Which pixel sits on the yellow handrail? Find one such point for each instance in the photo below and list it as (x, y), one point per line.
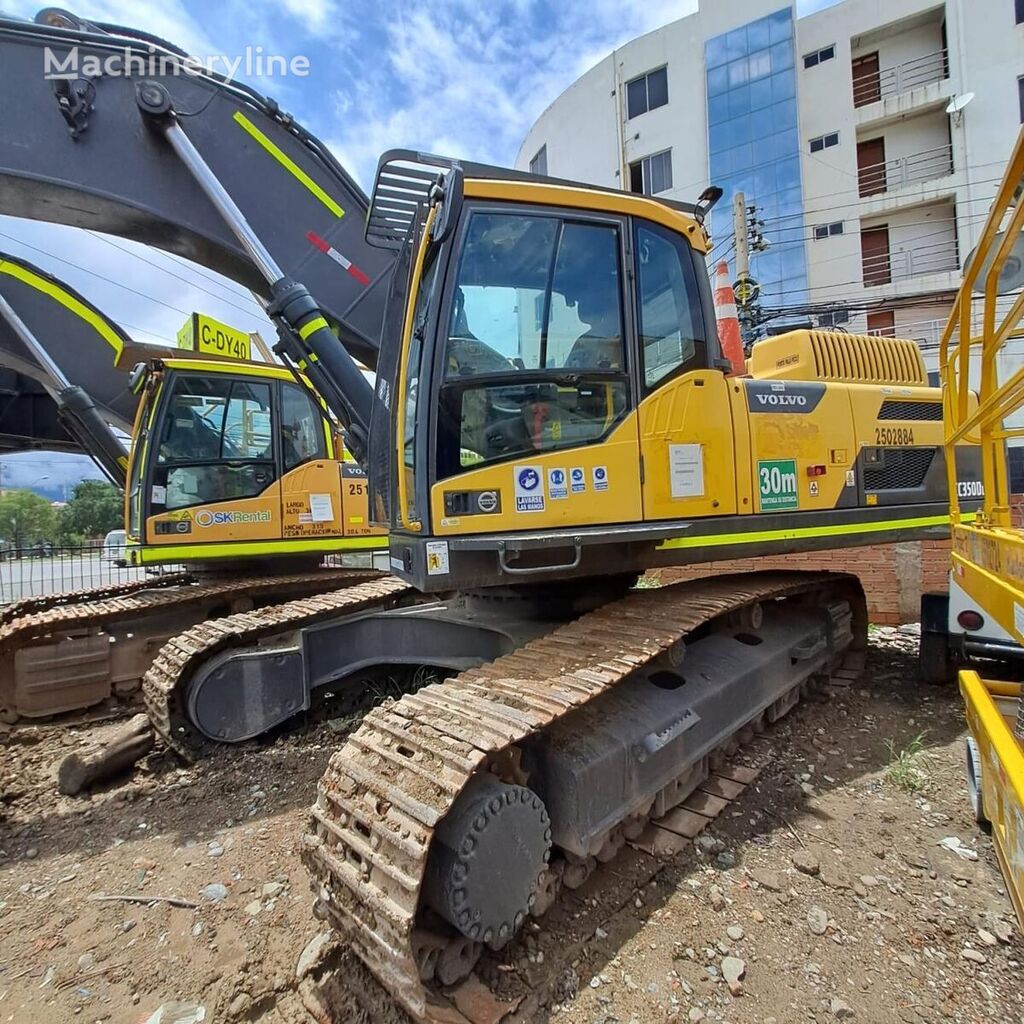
(403, 370)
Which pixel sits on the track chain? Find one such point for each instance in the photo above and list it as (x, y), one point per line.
(399, 774)
(60, 619)
(164, 683)
(64, 598)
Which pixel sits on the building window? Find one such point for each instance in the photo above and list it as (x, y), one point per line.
(824, 142)
(819, 56)
(824, 230)
(647, 92)
(651, 175)
(833, 318)
(1019, 10)
(539, 164)
(1020, 93)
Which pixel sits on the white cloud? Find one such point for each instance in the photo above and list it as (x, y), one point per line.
(314, 15)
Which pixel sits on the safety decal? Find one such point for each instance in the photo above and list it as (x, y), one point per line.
(776, 480)
(529, 492)
(437, 558)
(600, 478)
(557, 484)
(577, 480)
(328, 250)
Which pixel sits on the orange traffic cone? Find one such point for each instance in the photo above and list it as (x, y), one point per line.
(728, 321)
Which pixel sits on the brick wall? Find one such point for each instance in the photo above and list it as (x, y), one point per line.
(893, 575)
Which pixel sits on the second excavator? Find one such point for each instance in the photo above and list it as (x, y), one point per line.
(550, 416)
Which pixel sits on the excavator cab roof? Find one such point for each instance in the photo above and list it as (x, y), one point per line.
(406, 181)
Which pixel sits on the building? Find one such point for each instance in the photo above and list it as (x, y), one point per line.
(868, 139)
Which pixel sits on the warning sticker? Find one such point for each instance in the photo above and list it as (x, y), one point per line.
(777, 485)
(557, 484)
(600, 478)
(437, 558)
(529, 492)
(577, 480)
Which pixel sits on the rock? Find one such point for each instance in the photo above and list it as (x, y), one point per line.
(709, 844)
(987, 937)
(767, 880)
(272, 890)
(735, 932)
(840, 1009)
(127, 925)
(214, 892)
(239, 1005)
(953, 844)
(85, 961)
(733, 969)
(31, 853)
(254, 907)
(215, 850)
(177, 1013)
(314, 954)
(725, 860)
(869, 881)
(756, 915)
(595, 981)
(717, 898)
(817, 920)
(566, 986)
(973, 955)
(1003, 931)
(197, 929)
(696, 1015)
(806, 862)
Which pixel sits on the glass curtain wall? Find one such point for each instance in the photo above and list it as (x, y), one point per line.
(754, 148)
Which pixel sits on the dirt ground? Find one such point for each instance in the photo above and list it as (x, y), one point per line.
(826, 880)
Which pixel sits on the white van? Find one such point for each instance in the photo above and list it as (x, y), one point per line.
(113, 547)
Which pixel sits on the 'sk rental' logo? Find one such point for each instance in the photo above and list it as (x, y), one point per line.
(228, 517)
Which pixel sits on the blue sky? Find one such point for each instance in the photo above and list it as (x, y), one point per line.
(461, 77)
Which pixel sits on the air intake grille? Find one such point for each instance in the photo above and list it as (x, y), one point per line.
(863, 358)
(895, 410)
(901, 468)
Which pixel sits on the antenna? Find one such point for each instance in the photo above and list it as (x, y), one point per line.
(956, 105)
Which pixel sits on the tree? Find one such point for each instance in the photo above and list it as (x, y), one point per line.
(25, 518)
(95, 509)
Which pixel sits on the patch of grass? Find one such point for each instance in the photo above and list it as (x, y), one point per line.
(649, 581)
(907, 768)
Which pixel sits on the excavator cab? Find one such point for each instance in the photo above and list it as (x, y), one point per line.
(237, 460)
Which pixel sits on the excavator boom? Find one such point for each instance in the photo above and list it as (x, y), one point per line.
(74, 150)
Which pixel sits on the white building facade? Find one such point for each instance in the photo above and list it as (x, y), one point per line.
(837, 128)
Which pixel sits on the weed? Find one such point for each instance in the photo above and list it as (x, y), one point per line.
(907, 768)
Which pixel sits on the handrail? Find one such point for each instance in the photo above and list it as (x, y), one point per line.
(996, 400)
(891, 81)
(886, 175)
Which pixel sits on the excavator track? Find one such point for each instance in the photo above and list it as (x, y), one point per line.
(386, 794)
(65, 598)
(38, 636)
(163, 685)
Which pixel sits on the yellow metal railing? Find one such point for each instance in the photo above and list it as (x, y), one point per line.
(979, 292)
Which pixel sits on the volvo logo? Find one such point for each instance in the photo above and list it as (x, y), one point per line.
(487, 501)
(774, 399)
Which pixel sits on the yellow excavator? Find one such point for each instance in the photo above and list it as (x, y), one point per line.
(550, 416)
(235, 472)
(987, 632)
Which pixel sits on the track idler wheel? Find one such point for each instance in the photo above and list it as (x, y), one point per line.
(488, 860)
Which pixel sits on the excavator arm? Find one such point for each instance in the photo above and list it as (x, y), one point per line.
(67, 354)
(80, 144)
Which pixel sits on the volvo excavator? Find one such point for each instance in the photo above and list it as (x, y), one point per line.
(207, 434)
(550, 416)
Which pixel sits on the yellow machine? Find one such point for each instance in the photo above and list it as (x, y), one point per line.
(234, 462)
(988, 553)
(549, 417)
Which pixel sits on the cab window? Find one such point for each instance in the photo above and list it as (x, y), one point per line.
(535, 353)
(302, 428)
(671, 326)
(216, 442)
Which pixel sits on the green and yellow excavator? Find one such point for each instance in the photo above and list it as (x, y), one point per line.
(550, 416)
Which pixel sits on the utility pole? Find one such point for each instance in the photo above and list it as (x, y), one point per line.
(739, 227)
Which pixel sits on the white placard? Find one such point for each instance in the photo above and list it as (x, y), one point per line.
(558, 484)
(437, 558)
(320, 508)
(529, 488)
(159, 494)
(686, 470)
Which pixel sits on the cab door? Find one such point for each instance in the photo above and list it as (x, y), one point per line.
(686, 432)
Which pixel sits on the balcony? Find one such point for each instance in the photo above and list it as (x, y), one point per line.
(877, 178)
(884, 266)
(871, 84)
